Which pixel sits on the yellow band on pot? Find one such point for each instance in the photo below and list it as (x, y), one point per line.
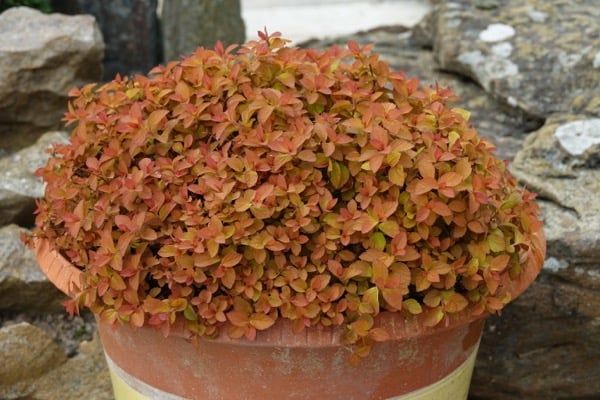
(128, 387)
(454, 386)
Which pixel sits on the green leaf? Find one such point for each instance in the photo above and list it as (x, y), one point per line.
(390, 228)
(378, 240)
(371, 298)
(463, 113)
(511, 201)
(397, 175)
(496, 240)
(315, 108)
(189, 313)
(412, 306)
(117, 283)
(453, 136)
(339, 174)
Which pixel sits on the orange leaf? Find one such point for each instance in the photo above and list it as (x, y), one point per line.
(371, 298)
(463, 167)
(499, 263)
(231, 259)
(379, 335)
(433, 317)
(380, 273)
(261, 321)
(476, 226)
(307, 155)
(425, 185)
(426, 168)
(320, 282)
(441, 208)
(450, 179)
(137, 318)
(155, 117)
(228, 279)
(393, 297)
(237, 318)
(455, 303)
(362, 325)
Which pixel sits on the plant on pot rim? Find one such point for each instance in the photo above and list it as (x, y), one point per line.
(227, 192)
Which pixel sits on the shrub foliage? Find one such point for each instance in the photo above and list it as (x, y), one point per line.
(42, 5)
(229, 189)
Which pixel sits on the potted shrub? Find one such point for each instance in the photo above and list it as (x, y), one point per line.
(283, 223)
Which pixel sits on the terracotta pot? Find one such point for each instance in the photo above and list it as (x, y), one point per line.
(416, 363)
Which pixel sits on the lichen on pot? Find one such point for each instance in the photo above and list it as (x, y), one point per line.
(229, 190)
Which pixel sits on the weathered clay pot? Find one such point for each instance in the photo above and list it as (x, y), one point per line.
(417, 363)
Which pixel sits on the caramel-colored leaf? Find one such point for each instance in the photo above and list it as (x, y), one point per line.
(261, 321)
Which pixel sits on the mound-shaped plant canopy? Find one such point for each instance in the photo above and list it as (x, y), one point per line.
(229, 190)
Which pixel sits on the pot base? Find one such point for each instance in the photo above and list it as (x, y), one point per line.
(453, 386)
(292, 367)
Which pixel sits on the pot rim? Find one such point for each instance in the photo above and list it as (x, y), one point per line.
(67, 278)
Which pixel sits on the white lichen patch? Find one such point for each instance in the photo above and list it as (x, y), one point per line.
(555, 265)
(537, 16)
(496, 33)
(488, 68)
(592, 273)
(453, 23)
(472, 58)
(501, 68)
(569, 60)
(502, 50)
(597, 60)
(578, 136)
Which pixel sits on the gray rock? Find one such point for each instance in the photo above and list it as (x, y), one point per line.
(42, 56)
(504, 125)
(187, 24)
(545, 345)
(130, 30)
(539, 57)
(534, 54)
(548, 342)
(567, 175)
(84, 376)
(561, 162)
(68, 332)
(26, 353)
(23, 287)
(423, 33)
(18, 185)
(587, 102)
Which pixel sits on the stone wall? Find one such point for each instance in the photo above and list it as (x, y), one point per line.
(541, 59)
(41, 58)
(140, 34)
(130, 30)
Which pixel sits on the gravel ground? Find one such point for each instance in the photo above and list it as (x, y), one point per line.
(66, 331)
